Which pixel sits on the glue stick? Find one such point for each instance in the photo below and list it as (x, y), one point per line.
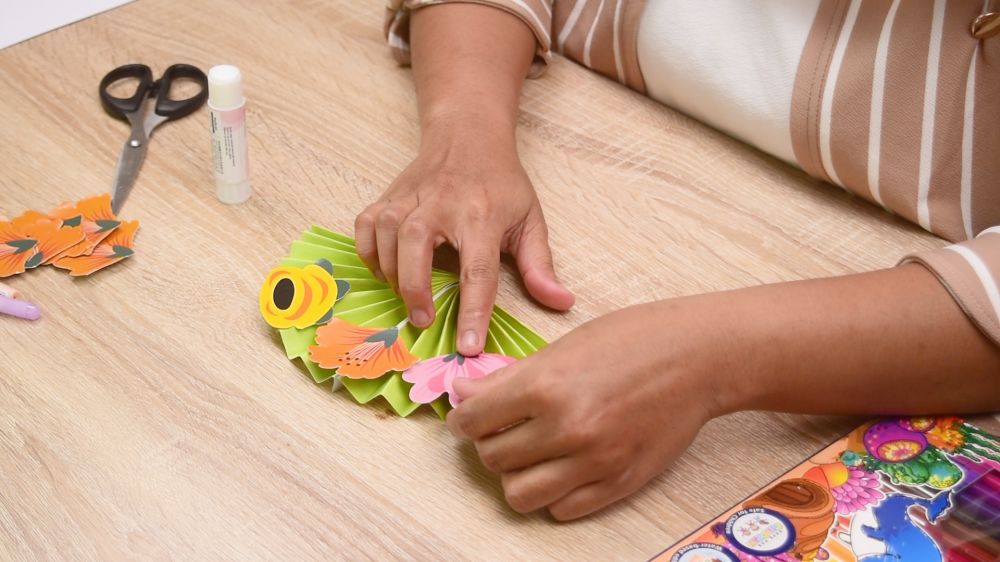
(226, 108)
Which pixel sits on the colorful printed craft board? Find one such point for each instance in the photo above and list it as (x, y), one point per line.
(346, 325)
(900, 489)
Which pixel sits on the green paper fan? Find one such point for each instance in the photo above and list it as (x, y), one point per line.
(373, 304)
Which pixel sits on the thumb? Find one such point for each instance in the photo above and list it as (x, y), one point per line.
(466, 388)
(534, 260)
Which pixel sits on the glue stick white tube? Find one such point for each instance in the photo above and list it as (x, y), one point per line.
(226, 107)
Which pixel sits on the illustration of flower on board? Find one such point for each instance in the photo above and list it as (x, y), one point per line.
(853, 488)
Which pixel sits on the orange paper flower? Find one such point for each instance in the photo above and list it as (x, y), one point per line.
(28, 220)
(360, 353)
(93, 215)
(15, 250)
(52, 239)
(113, 249)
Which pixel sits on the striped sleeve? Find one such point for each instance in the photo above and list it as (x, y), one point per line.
(970, 271)
(537, 14)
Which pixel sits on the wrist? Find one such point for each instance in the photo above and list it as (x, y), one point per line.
(475, 128)
(671, 342)
(709, 340)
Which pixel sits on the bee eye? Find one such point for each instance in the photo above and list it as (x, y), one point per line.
(284, 291)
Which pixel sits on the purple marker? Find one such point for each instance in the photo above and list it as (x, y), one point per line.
(20, 309)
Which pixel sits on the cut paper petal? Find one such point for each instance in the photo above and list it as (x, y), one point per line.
(359, 353)
(93, 215)
(52, 239)
(116, 247)
(299, 297)
(31, 219)
(16, 250)
(433, 377)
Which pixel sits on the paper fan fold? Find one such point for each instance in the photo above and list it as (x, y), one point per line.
(370, 303)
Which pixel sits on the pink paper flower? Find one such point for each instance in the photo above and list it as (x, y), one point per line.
(433, 377)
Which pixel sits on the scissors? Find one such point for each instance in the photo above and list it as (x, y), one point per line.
(146, 109)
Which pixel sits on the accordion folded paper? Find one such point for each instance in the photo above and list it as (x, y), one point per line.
(367, 344)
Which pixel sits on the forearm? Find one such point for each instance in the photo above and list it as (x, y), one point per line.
(469, 63)
(885, 342)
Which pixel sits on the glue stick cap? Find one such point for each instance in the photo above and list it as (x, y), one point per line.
(225, 87)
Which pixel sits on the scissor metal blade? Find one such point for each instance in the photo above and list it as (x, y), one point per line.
(127, 170)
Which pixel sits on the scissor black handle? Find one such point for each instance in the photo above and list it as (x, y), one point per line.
(175, 109)
(122, 106)
(169, 108)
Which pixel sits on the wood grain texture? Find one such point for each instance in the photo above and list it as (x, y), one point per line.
(152, 414)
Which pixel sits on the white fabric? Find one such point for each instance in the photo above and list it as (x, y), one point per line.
(728, 63)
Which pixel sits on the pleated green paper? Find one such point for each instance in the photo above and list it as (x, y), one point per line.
(373, 304)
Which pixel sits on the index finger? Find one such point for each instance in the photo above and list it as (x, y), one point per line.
(480, 271)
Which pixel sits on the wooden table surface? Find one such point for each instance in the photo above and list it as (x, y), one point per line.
(151, 412)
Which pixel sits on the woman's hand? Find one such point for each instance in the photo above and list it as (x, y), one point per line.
(469, 191)
(598, 413)
(591, 418)
(466, 187)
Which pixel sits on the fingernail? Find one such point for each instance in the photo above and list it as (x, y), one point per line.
(420, 318)
(470, 339)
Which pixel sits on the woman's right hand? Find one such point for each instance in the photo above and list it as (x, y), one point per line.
(466, 188)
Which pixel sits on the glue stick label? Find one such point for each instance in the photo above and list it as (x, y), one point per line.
(229, 144)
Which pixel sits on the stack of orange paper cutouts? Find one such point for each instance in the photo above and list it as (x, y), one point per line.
(81, 237)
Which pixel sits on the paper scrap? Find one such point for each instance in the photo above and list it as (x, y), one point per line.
(15, 250)
(64, 236)
(93, 215)
(52, 239)
(116, 247)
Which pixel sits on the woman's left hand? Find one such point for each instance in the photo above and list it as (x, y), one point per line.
(592, 417)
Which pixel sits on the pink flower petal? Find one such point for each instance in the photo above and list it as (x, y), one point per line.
(433, 377)
(476, 368)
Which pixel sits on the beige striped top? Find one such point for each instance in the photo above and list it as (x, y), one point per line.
(897, 102)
